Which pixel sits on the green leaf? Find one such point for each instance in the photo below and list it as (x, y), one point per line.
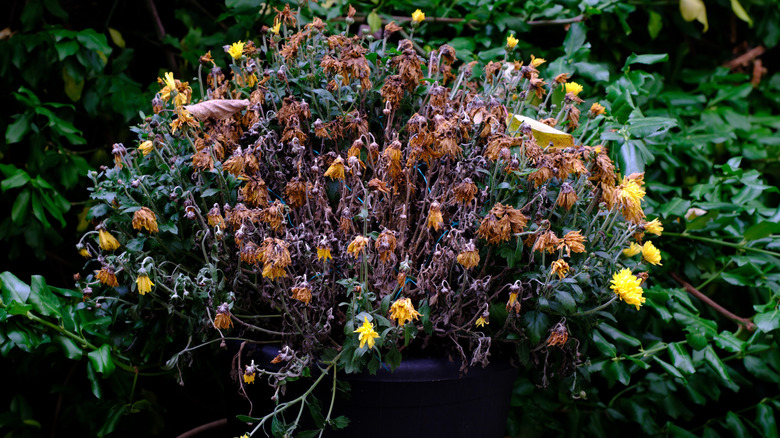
(645, 59)
(761, 230)
(765, 419)
(101, 360)
(13, 289)
(42, 299)
(19, 179)
(374, 21)
(69, 347)
(575, 39)
(768, 321)
(727, 341)
(17, 308)
(676, 207)
(735, 425)
(18, 129)
(649, 126)
(671, 370)
(92, 40)
(680, 357)
(537, 323)
(603, 345)
(714, 361)
(619, 336)
(66, 48)
(339, 422)
(654, 24)
(618, 370)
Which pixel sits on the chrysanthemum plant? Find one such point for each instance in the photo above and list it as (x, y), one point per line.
(356, 203)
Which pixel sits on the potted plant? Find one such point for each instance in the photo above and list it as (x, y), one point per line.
(356, 205)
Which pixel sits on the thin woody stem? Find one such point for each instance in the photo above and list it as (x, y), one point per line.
(744, 322)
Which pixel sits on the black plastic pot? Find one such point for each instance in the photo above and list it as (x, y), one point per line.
(422, 397)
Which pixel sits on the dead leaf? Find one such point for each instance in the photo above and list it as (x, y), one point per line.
(6, 33)
(217, 109)
(544, 134)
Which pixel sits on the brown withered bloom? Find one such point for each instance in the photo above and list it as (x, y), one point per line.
(235, 164)
(354, 150)
(357, 246)
(145, 218)
(286, 16)
(248, 253)
(542, 174)
(559, 335)
(222, 319)
(274, 216)
(320, 130)
(392, 154)
(393, 90)
(469, 257)
(573, 115)
(500, 223)
(254, 193)
(559, 267)
(603, 168)
(118, 151)
(409, 66)
(537, 86)
(561, 78)
(446, 135)
(214, 216)
(275, 257)
(302, 293)
(435, 218)
(345, 221)
(546, 241)
(236, 216)
(107, 276)
(202, 160)
(465, 191)
(385, 245)
(391, 28)
(379, 185)
(573, 241)
(295, 193)
(567, 197)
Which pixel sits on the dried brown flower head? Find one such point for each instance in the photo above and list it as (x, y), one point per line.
(500, 222)
(222, 319)
(385, 245)
(465, 191)
(275, 257)
(336, 169)
(302, 293)
(559, 335)
(106, 276)
(567, 197)
(573, 241)
(145, 218)
(357, 246)
(469, 258)
(215, 218)
(435, 219)
(546, 241)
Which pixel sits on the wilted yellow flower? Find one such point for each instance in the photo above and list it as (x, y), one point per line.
(402, 310)
(302, 293)
(632, 250)
(511, 42)
(236, 49)
(560, 267)
(651, 254)
(629, 196)
(418, 16)
(83, 251)
(654, 227)
(367, 334)
(324, 254)
(434, 216)
(143, 282)
(536, 62)
(572, 87)
(107, 276)
(107, 241)
(249, 375)
(336, 169)
(146, 147)
(627, 286)
(596, 109)
(357, 246)
(469, 258)
(481, 321)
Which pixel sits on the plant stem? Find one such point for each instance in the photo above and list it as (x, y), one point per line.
(744, 322)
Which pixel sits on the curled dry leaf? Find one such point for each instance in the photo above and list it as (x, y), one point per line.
(217, 108)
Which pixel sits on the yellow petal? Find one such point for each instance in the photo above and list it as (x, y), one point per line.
(739, 11)
(544, 134)
(694, 10)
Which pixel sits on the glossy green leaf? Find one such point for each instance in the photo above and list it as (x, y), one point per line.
(619, 336)
(603, 345)
(70, 349)
(714, 361)
(13, 289)
(766, 421)
(680, 357)
(735, 425)
(768, 321)
(101, 360)
(537, 323)
(670, 369)
(21, 207)
(645, 59)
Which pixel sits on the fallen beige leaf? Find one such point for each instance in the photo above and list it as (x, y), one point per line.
(217, 109)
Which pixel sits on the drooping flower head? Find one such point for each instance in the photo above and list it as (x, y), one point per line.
(632, 250)
(106, 240)
(143, 282)
(654, 227)
(403, 310)
(146, 147)
(222, 319)
(651, 254)
(627, 286)
(559, 267)
(145, 219)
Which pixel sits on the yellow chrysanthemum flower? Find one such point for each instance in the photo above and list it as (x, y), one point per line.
(481, 321)
(627, 286)
(146, 147)
(367, 334)
(107, 241)
(511, 42)
(144, 283)
(402, 310)
(418, 16)
(572, 87)
(559, 267)
(654, 227)
(236, 50)
(632, 250)
(629, 195)
(536, 62)
(336, 169)
(651, 254)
